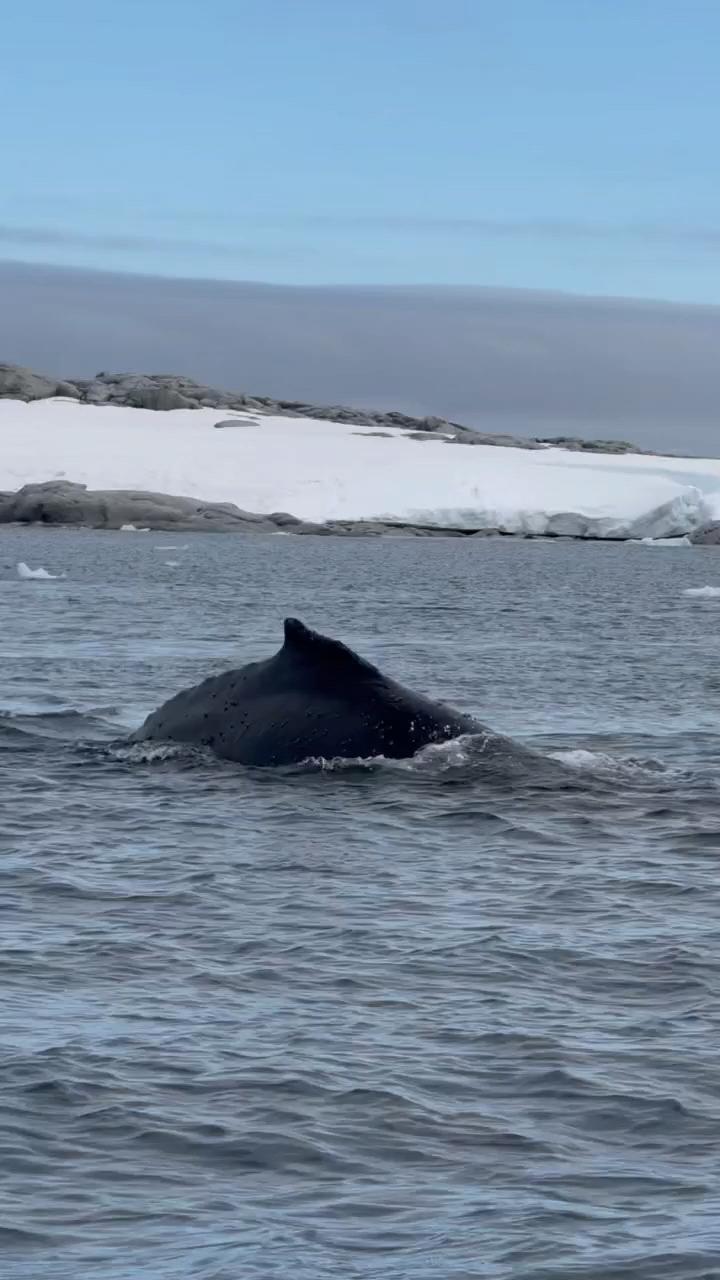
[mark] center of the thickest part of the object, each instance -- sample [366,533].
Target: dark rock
[17,383]
[94,393]
[163,398]
[155,391]
[708,536]
[7,502]
[495,440]
[283,519]
[577,445]
[320,530]
[435,424]
[355,528]
[59,502]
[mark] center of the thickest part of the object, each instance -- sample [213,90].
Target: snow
[665,542]
[321,470]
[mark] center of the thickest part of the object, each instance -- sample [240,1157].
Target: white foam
[454,753]
[149,752]
[703,593]
[582,759]
[171,546]
[172,564]
[38,575]
[603,763]
[321,470]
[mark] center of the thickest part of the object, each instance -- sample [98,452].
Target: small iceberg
[703,593]
[24,571]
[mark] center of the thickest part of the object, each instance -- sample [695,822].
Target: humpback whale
[315,698]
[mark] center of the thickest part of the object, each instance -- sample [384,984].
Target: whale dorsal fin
[313,646]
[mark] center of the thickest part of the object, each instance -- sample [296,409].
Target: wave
[58,722]
[484,757]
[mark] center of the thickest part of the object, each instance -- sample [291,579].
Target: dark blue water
[456,1018]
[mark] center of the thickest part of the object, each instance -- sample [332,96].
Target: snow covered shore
[325,471]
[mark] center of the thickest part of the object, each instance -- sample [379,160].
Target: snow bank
[321,470]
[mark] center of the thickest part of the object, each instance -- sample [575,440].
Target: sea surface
[432,1020]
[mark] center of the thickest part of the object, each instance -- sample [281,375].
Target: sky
[543,144]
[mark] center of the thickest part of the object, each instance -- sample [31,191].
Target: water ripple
[452,1017]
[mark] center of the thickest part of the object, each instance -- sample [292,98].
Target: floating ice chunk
[39,575]
[703,593]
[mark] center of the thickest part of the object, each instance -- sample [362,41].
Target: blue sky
[553,144]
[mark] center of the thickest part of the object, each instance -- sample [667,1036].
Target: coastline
[125,451]
[66,505]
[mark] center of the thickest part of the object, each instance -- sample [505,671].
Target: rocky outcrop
[61,503]
[168,391]
[58,503]
[576,445]
[17,383]
[708,536]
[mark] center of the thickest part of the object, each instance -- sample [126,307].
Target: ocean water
[451,1018]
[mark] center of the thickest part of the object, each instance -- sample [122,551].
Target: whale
[313,699]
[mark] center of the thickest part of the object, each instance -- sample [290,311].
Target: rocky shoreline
[64,504]
[164,392]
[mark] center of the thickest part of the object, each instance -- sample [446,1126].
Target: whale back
[315,698]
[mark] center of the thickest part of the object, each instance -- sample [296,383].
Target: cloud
[59,237]
[501,359]
[672,235]
[668,233]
